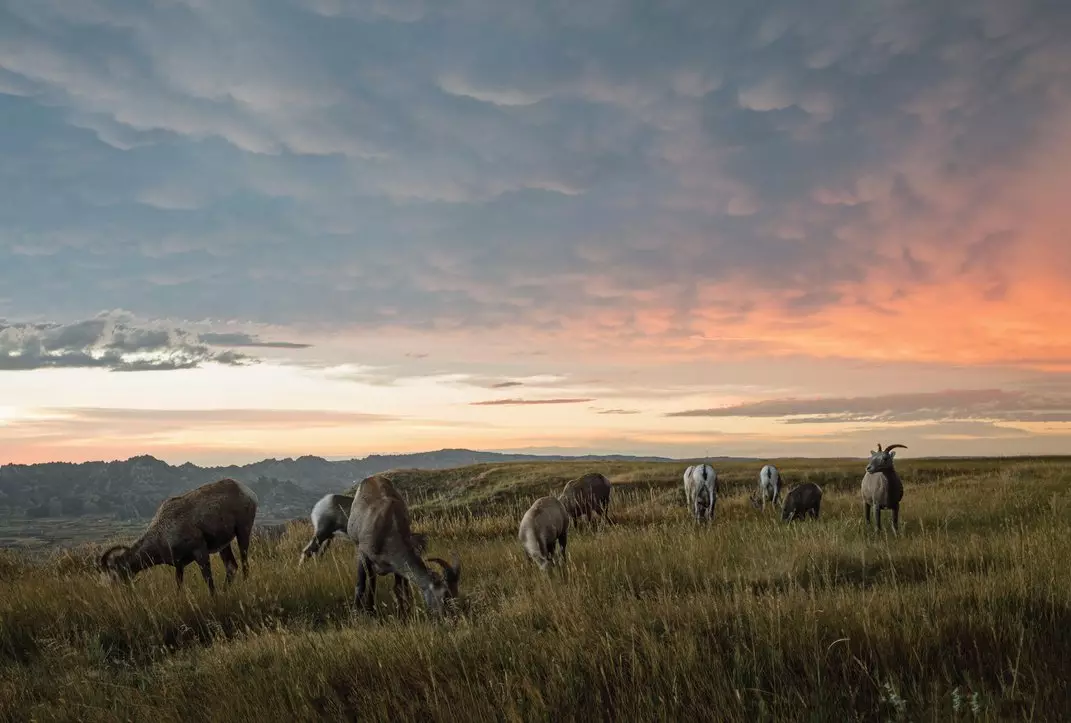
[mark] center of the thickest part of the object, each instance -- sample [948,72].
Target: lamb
[586,496]
[769,487]
[701,490]
[881,487]
[379,524]
[544,527]
[188,528]
[802,500]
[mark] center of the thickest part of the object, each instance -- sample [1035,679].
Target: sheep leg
[896,519]
[401,594]
[179,570]
[229,563]
[310,549]
[365,593]
[326,544]
[205,563]
[877,518]
[866,513]
[242,535]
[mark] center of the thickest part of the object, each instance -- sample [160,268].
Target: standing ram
[188,528]
[544,527]
[769,487]
[881,487]
[801,501]
[701,490]
[587,496]
[386,544]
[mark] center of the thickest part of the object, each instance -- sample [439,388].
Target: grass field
[965,616]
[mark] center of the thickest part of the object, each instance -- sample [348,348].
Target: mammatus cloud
[711,179]
[524,402]
[109,341]
[243,339]
[951,405]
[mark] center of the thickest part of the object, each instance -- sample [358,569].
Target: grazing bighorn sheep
[329,517]
[701,490]
[188,528]
[881,487]
[587,496]
[544,527]
[800,501]
[769,487]
[379,524]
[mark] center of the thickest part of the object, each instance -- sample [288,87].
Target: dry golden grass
[965,616]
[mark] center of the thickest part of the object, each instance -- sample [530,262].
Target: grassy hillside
[966,616]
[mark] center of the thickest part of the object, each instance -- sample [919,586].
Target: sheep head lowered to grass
[188,528]
[544,527]
[701,491]
[379,524]
[587,496]
[769,487]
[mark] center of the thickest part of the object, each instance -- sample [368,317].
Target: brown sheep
[587,496]
[188,528]
[803,500]
[386,544]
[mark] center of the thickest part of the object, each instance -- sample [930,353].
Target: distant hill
[133,488]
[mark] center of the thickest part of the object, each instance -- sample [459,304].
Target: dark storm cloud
[508,165]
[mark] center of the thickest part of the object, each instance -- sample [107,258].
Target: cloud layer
[781,177]
[964,404]
[105,342]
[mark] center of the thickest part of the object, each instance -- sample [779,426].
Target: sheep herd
[192,526]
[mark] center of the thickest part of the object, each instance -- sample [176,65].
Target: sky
[769,228]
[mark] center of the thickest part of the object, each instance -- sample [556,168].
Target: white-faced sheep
[587,496]
[188,528]
[769,487]
[801,501]
[881,487]
[379,524]
[701,491]
[544,527]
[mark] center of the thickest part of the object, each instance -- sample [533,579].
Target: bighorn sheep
[769,487]
[881,487]
[800,501]
[329,518]
[544,527]
[586,496]
[188,528]
[379,524]
[701,490]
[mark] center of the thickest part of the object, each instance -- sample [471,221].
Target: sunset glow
[343,229]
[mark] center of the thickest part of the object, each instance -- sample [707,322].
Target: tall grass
[965,616]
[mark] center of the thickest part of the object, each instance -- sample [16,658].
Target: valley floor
[965,616]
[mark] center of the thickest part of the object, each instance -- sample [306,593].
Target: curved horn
[894,446]
[879,446]
[451,572]
[105,558]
